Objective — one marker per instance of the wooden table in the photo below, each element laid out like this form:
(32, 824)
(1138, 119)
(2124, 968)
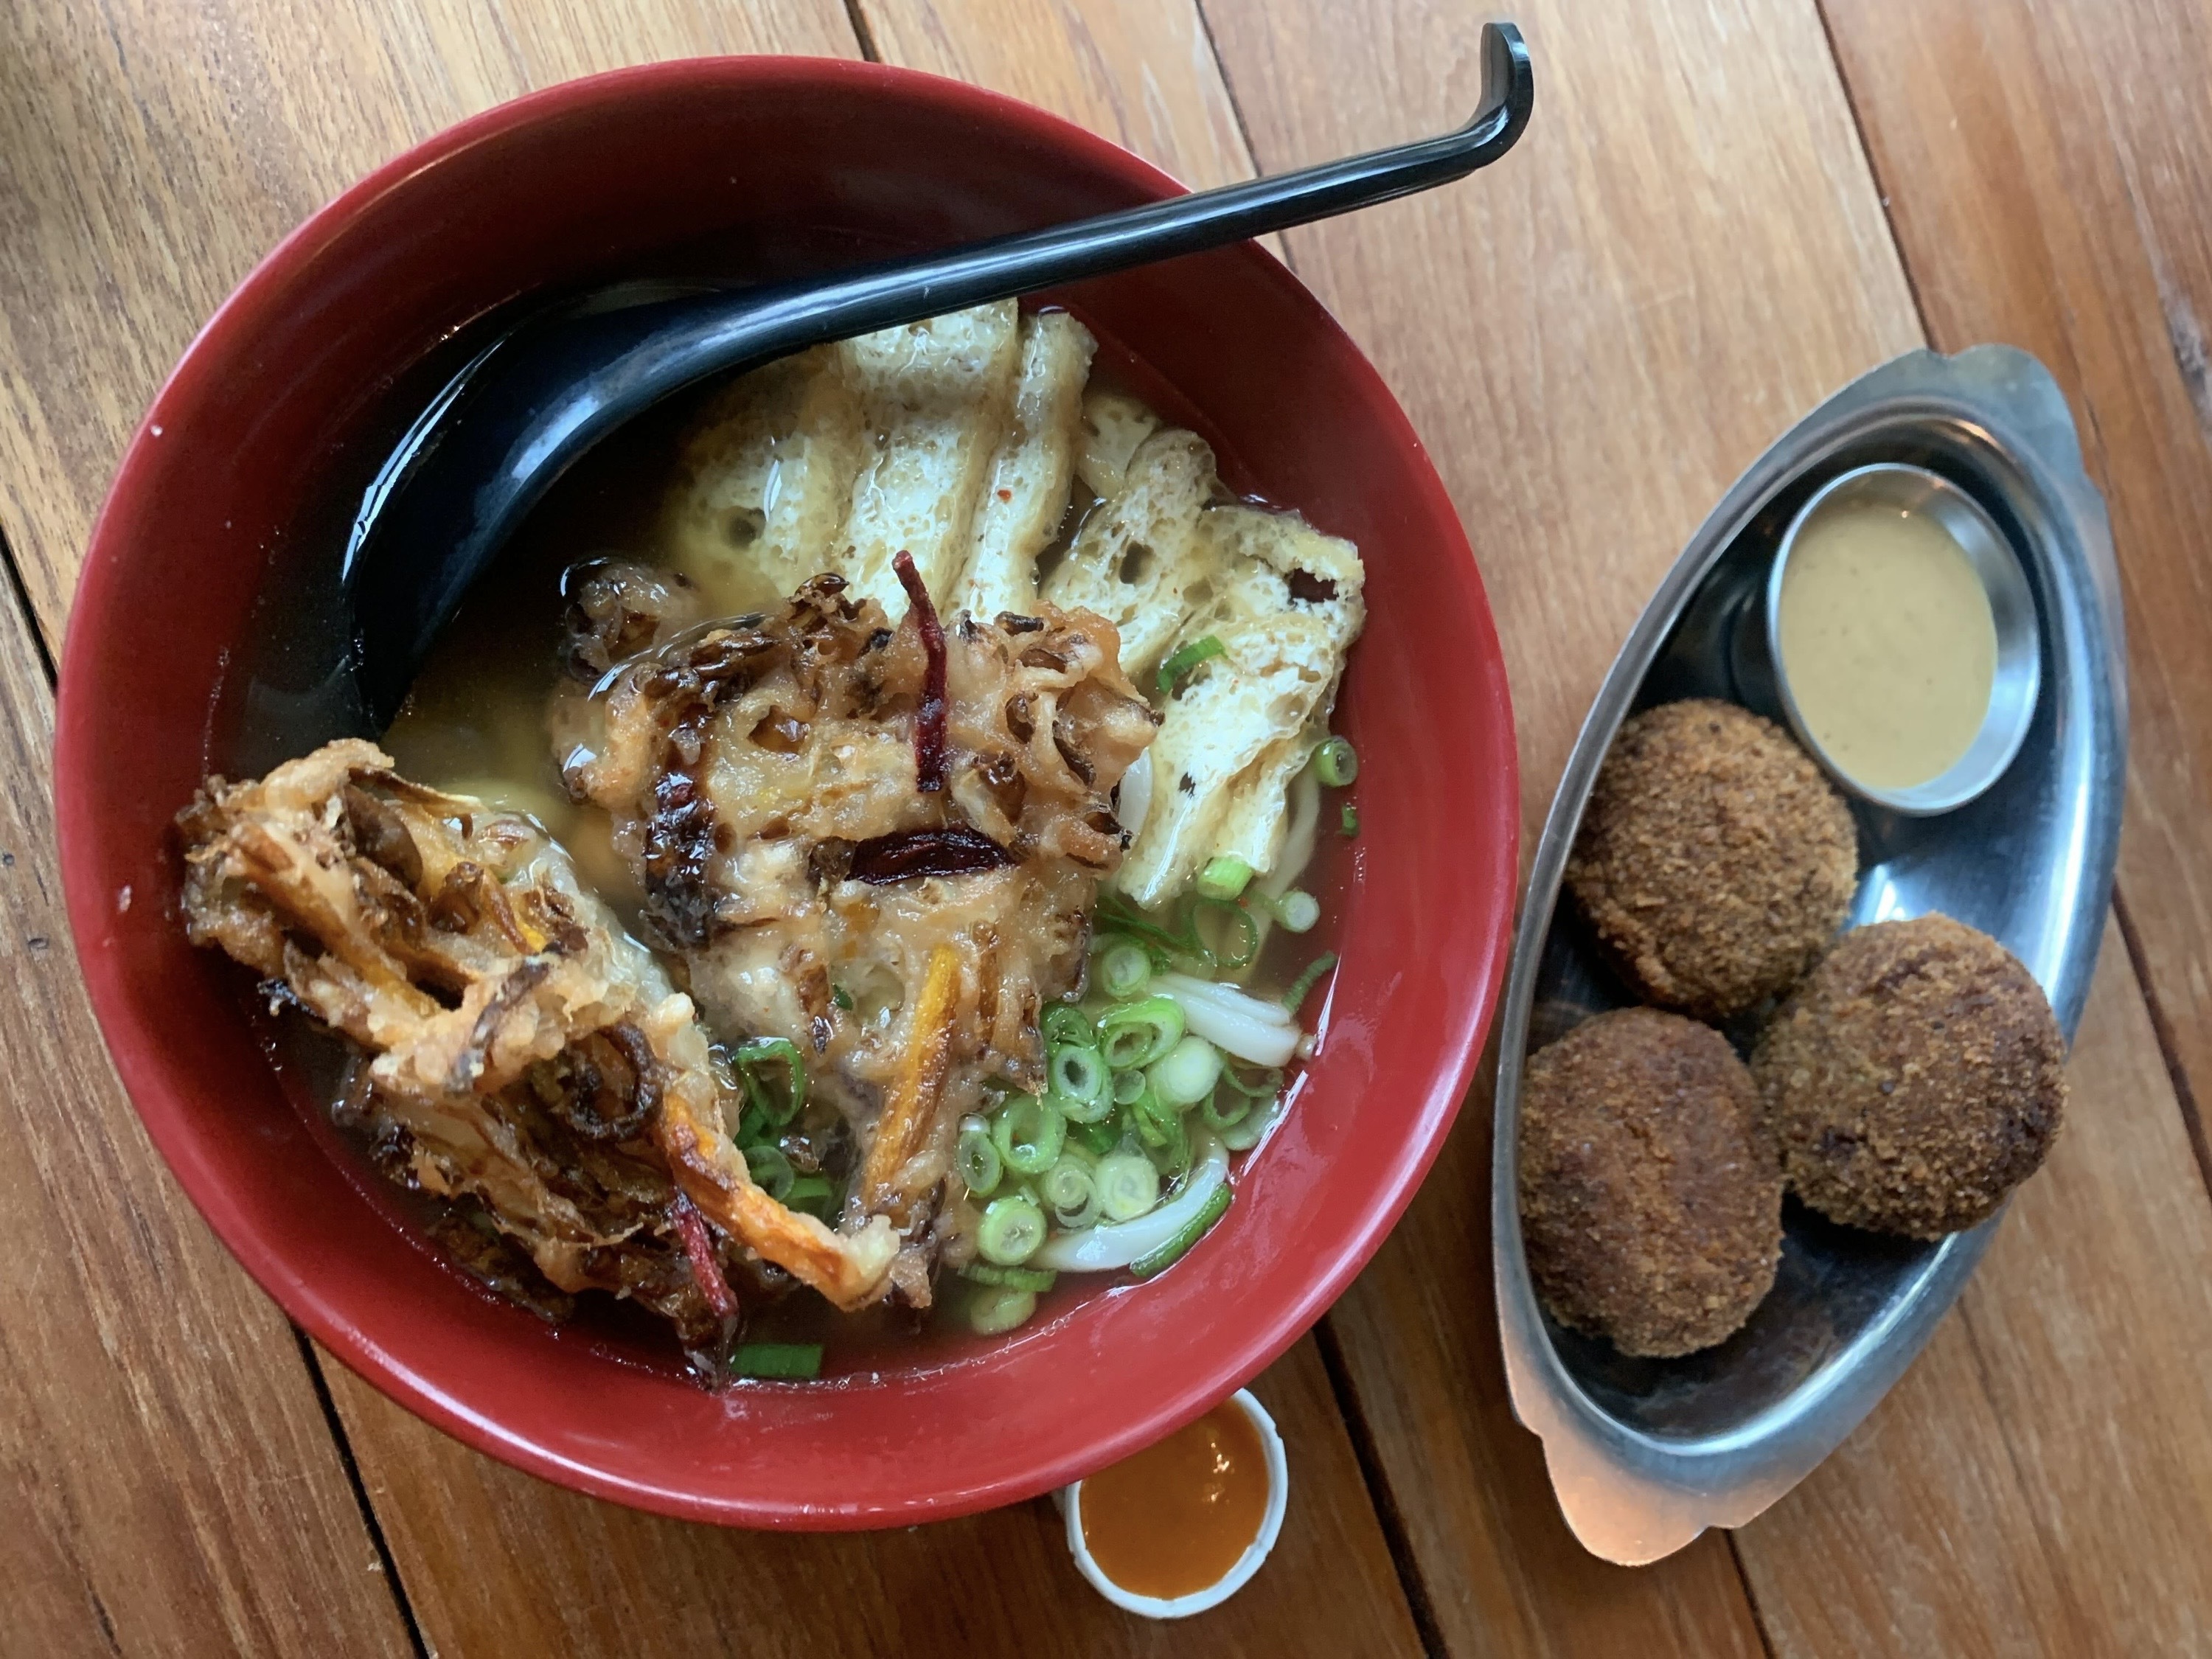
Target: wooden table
(1725, 209)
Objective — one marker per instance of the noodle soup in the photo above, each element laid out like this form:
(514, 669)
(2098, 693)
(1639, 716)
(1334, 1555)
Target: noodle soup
(1074, 979)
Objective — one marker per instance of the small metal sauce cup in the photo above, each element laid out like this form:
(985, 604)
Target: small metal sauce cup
(2018, 673)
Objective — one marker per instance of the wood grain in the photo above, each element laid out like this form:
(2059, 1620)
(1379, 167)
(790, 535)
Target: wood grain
(1687, 251)
(2042, 1480)
(1593, 336)
(1141, 72)
(2049, 172)
(499, 1564)
(151, 150)
(167, 1480)
(471, 1538)
(1546, 1588)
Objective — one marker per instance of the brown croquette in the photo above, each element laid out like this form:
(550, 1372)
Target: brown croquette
(1916, 1078)
(1715, 861)
(1651, 1195)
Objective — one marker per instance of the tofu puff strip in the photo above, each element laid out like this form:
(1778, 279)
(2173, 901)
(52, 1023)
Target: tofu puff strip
(1285, 601)
(1026, 497)
(764, 781)
(842, 457)
(1160, 555)
(522, 1049)
(1137, 560)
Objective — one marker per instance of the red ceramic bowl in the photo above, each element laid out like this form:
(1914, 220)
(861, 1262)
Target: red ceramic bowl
(616, 175)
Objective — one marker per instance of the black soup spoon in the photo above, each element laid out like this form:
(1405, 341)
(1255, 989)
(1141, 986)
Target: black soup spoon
(524, 407)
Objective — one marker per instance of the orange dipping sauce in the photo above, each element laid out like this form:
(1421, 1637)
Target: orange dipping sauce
(1174, 1519)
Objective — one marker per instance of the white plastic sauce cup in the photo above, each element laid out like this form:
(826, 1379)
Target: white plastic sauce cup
(1070, 1499)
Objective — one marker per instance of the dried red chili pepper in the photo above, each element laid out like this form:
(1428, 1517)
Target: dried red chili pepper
(706, 1267)
(958, 849)
(929, 719)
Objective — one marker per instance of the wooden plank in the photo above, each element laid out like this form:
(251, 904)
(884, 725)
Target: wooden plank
(2045, 170)
(2049, 172)
(156, 149)
(1141, 71)
(1593, 336)
(167, 1473)
(473, 1538)
(2042, 1480)
(498, 1563)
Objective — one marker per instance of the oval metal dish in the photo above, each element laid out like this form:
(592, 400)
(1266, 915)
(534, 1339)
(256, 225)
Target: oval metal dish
(1644, 1454)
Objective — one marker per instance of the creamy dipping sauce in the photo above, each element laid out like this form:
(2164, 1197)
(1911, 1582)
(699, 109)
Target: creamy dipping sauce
(1887, 643)
(1177, 1517)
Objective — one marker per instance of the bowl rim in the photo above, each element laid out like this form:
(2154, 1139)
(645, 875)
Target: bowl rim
(142, 1064)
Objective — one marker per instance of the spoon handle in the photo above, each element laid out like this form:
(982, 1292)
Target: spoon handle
(909, 290)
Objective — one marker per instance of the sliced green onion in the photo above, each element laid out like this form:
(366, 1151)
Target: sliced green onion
(1171, 1155)
(1193, 1229)
(1245, 1135)
(1012, 1229)
(1138, 1033)
(1151, 1119)
(780, 1359)
(1128, 1185)
(1265, 1084)
(770, 1170)
(841, 997)
(1224, 879)
(754, 1127)
(1082, 1083)
(977, 1159)
(1336, 762)
(1123, 968)
(1185, 1074)
(1298, 910)
(1244, 929)
(1035, 1281)
(996, 1311)
(1070, 1191)
(772, 1055)
(1115, 914)
(1348, 825)
(1114, 1244)
(1220, 1116)
(1097, 1139)
(1028, 1135)
(1128, 1087)
(813, 1195)
(1185, 657)
(1303, 984)
(1063, 1022)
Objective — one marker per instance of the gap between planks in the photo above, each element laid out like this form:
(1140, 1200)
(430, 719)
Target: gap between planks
(2154, 1001)
(368, 1515)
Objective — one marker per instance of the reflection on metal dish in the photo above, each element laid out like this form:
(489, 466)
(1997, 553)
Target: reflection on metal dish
(1643, 1454)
